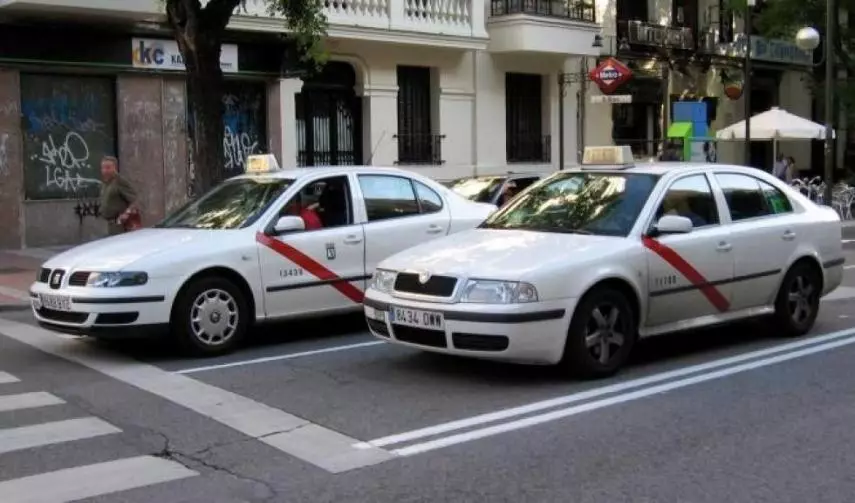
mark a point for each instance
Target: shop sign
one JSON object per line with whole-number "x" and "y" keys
{"x": 159, "y": 54}
{"x": 610, "y": 75}
{"x": 640, "y": 33}
{"x": 764, "y": 49}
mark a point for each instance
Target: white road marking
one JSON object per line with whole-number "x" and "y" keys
{"x": 597, "y": 392}
{"x": 6, "y": 378}
{"x": 847, "y": 240}
{"x": 256, "y": 420}
{"x": 849, "y": 267}
{"x": 288, "y": 356}
{"x": 74, "y": 484}
{"x": 28, "y": 401}
{"x": 26, "y": 437}
{"x": 614, "y": 400}
{"x": 840, "y": 293}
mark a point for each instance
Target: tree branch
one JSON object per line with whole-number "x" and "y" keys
{"x": 217, "y": 13}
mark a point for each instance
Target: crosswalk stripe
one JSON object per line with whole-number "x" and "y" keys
{"x": 73, "y": 484}
{"x": 26, "y": 437}
{"x": 28, "y": 401}
{"x": 6, "y": 378}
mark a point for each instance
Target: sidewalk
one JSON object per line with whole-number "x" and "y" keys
{"x": 18, "y": 270}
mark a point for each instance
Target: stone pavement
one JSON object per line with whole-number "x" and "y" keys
{"x": 18, "y": 269}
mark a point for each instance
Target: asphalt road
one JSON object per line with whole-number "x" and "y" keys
{"x": 318, "y": 411}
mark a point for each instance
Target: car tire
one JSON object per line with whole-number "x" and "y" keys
{"x": 604, "y": 323}
{"x": 210, "y": 317}
{"x": 797, "y": 303}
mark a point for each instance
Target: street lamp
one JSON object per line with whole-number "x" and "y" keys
{"x": 574, "y": 78}
{"x": 746, "y": 84}
{"x": 808, "y": 39}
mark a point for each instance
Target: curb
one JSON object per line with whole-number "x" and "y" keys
{"x": 14, "y": 308}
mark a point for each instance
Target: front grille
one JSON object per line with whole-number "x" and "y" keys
{"x": 116, "y": 318}
{"x": 55, "y": 280}
{"x": 44, "y": 274}
{"x": 78, "y": 278}
{"x": 62, "y": 316}
{"x": 479, "y": 342}
{"x": 420, "y": 336}
{"x": 378, "y": 327}
{"x": 435, "y": 286}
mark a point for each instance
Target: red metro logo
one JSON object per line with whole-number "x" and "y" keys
{"x": 610, "y": 75}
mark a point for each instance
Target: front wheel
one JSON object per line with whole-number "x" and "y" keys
{"x": 602, "y": 334}
{"x": 797, "y": 304}
{"x": 211, "y": 317}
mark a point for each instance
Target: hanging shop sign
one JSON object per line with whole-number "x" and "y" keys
{"x": 159, "y": 54}
{"x": 610, "y": 75}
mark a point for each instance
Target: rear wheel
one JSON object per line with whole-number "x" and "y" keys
{"x": 211, "y": 316}
{"x": 602, "y": 334}
{"x": 797, "y": 304}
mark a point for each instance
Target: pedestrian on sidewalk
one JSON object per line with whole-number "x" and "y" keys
{"x": 119, "y": 201}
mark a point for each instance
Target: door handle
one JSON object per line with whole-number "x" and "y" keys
{"x": 724, "y": 246}
{"x": 788, "y": 235}
{"x": 352, "y": 240}
{"x": 434, "y": 229}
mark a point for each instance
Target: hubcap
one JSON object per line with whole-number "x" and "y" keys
{"x": 801, "y": 299}
{"x": 605, "y": 332}
{"x": 214, "y": 317}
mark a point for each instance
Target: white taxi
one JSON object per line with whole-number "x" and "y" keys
{"x": 266, "y": 245}
{"x": 579, "y": 266}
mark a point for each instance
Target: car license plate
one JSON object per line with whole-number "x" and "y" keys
{"x": 55, "y": 302}
{"x": 417, "y": 319}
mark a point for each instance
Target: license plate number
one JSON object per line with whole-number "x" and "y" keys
{"x": 417, "y": 319}
{"x": 55, "y": 302}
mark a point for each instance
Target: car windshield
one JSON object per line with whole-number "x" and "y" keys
{"x": 606, "y": 204}
{"x": 479, "y": 189}
{"x": 233, "y": 204}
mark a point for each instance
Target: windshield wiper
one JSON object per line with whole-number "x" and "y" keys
{"x": 562, "y": 230}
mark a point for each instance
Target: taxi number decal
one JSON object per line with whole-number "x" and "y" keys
{"x": 694, "y": 276}
{"x": 286, "y": 273}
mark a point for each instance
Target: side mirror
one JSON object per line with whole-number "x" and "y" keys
{"x": 673, "y": 224}
{"x": 289, "y": 224}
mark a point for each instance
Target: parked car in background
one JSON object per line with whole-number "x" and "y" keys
{"x": 490, "y": 188}
{"x": 269, "y": 244}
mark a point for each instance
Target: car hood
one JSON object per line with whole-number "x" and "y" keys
{"x": 117, "y": 252}
{"x": 503, "y": 254}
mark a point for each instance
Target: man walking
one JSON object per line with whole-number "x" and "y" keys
{"x": 118, "y": 199}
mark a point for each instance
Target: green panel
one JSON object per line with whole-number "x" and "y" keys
{"x": 69, "y": 124}
{"x": 680, "y": 130}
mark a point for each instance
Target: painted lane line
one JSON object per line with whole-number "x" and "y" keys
{"x": 614, "y": 400}
{"x": 598, "y": 392}
{"x": 6, "y": 378}
{"x": 266, "y": 424}
{"x": 26, "y": 437}
{"x": 289, "y": 356}
{"x": 849, "y": 267}
{"x": 28, "y": 401}
{"x": 89, "y": 481}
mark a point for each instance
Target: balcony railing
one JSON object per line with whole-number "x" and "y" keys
{"x": 565, "y": 9}
{"x": 414, "y": 149}
{"x": 529, "y": 148}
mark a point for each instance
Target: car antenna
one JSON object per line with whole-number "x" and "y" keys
{"x": 376, "y": 146}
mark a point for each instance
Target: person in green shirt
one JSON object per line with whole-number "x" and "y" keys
{"x": 118, "y": 197}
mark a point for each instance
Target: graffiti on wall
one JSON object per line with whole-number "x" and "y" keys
{"x": 4, "y": 154}
{"x": 245, "y": 124}
{"x": 68, "y": 125}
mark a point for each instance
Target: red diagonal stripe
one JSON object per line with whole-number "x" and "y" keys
{"x": 312, "y": 266}
{"x": 688, "y": 271}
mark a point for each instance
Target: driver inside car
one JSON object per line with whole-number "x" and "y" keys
{"x": 310, "y": 217}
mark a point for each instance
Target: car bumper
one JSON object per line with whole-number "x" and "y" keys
{"x": 524, "y": 333}
{"x": 108, "y": 313}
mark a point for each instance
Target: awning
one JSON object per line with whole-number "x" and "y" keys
{"x": 680, "y": 130}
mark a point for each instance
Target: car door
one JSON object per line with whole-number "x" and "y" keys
{"x": 315, "y": 270}
{"x": 401, "y": 212}
{"x": 689, "y": 274}
{"x": 763, "y": 230}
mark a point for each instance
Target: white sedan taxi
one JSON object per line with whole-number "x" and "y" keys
{"x": 580, "y": 265}
{"x": 269, "y": 244}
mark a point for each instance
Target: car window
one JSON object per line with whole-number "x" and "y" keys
{"x": 388, "y": 197}
{"x": 478, "y": 189}
{"x": 429, "y": 200}
{"x": 604, "y": 204}
{"x": 523, "y": 183}
{"x": 743, "y": 195}
{"x": 322, "y": 204}
{"x": 777, "y": 201}
{"x": 690, "y": 197}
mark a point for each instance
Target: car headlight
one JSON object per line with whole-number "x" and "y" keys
{"x": 479, "y": 291}
{"x": 383, "y": 281}
{"x": 110, "y": 279}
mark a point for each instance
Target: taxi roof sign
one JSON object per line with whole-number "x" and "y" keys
{"x": 608, "y": 155}
{"x": 261, "y": 163}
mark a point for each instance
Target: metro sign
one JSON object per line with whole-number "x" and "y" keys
{"x": 610, "y": 75}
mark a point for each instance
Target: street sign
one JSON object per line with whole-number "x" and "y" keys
{"x": 612, "y": 98}
{"x": 610, "y": 74}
